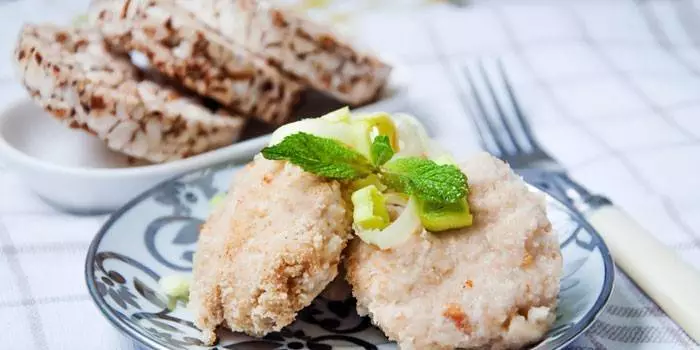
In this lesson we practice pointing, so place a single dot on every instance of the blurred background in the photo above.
(612, 89)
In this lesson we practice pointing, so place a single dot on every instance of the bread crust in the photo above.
(187, 50)
(309, 51)
(72, 75)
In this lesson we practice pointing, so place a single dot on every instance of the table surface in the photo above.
(612, 90)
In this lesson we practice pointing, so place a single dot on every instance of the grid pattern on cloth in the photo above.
(612, 89)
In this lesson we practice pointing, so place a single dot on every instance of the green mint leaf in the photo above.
(425, 179)
(381, 150)
(321, 156)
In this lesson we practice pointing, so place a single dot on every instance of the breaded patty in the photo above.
(493, 284)
(269, 250)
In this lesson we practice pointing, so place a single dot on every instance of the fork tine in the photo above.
(482, 116)
(525, 126)
(499, 110)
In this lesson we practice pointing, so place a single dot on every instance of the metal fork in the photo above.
(505, 132)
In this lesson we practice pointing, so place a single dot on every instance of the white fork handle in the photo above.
(672, 283)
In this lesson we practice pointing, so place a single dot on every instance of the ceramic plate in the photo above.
(155, 235)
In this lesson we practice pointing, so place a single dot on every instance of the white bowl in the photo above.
(76, 172)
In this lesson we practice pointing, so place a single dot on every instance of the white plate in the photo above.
(155, 235)
(76, 172)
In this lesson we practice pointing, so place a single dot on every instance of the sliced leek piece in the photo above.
(405, 226)
(437, 217)
(369, 208)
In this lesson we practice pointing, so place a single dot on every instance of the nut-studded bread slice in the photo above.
(303, 48)
(69, 72)
(184, 48)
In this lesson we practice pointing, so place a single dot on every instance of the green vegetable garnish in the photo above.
(437, 217)
(426, 179)
(369, 209)
(381, 150)
(363, 151)
(354, 131)
(444, 159)
(367, 125)
(321, 156)
(218, 198)
(340, 115)
(80, 20)
(398, 232)
(332, 159)
(176, 288)
(371, 179)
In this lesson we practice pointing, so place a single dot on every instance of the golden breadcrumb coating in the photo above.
(269, 250)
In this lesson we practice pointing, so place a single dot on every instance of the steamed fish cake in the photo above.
(271, 246)
(493, 284)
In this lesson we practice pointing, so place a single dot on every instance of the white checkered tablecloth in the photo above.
(612, 89)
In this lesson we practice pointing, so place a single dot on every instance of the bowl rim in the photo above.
(128, 329)
(15, 156)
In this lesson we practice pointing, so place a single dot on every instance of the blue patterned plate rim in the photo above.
(129, 330)
(608, 276)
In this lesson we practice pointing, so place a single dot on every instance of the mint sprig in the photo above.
(332, 159)
(321, 156)
(381, 150)
(426, 179)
